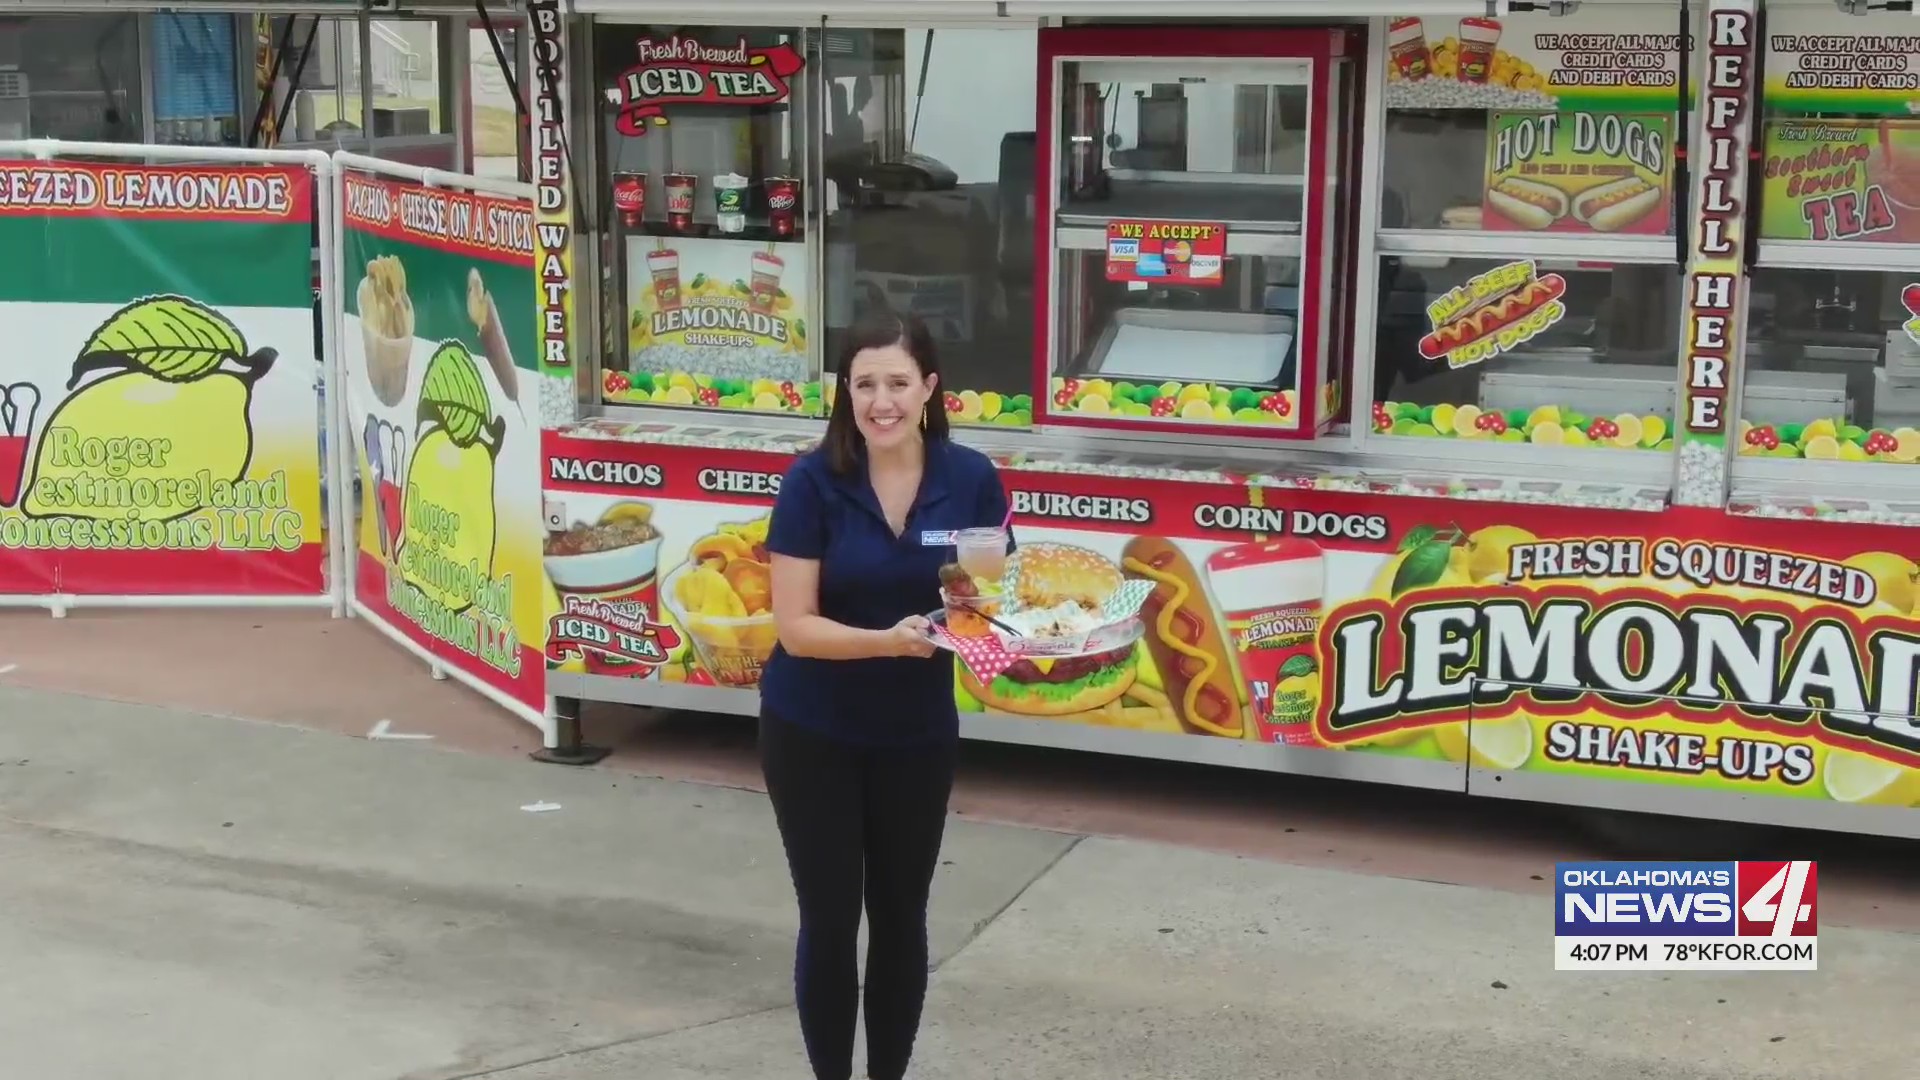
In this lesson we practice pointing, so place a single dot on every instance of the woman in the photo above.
(858, 729)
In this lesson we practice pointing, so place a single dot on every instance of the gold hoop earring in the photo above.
(923, 418)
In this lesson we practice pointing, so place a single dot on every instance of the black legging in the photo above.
(858, 821)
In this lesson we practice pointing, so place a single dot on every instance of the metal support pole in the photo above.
(570, 749)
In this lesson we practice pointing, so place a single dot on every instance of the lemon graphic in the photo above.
(1490, 744)
(1547, 432)
(1857, 778)
(1909, 445)
(1815, 430)
(990, 405)
(1892, 576)
(1545, 414)
(1095, 403)
(1443, 416)
(1652, 430)
(448, 545)
(1576, 437)
(182, 385)
(1463, 421)
(971, 407)
(1821, 447)
(1487, 550)
(1631, 431)
(1460, 564)
(1453, 575)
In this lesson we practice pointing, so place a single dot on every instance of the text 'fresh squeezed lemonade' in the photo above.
(1270, 594)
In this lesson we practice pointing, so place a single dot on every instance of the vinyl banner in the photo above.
(1851, 180)
(1579, 172)
(1609, 58)
(1849, 65)
(1683, 648)
(720, 323)
(159, 413)
(440, 349)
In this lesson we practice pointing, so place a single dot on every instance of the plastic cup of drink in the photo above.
(680, 191)
(783, 203)
(630, 197)
(730, 202)
(982, 553)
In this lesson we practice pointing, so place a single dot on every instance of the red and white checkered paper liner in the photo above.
(982, 655)
(989, 655)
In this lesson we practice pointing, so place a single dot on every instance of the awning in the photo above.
(234, 7)
(765, 12)
(1173, 10)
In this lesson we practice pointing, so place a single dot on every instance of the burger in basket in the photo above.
(1060, 593)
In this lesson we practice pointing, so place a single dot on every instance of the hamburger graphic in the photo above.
(1061, 589)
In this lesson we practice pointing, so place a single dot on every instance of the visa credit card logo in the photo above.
(1686, 899)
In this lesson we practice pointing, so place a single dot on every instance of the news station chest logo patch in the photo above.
(1686, 916)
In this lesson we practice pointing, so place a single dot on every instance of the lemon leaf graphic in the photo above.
(453, 395)
(172, 338)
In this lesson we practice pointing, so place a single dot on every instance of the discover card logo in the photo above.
(1722, 916)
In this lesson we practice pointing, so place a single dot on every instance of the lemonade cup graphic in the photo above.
(764, 290)
(386, 327)
(663, 265)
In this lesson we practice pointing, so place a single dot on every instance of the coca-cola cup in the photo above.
(680, 194)
(783, 203)
(630, 197)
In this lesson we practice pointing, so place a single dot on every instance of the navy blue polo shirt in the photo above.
(871, 579)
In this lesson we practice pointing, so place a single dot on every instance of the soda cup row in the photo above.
(729, 201)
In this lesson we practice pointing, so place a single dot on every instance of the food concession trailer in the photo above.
(1504, 397)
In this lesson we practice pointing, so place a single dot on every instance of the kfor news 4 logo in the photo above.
(1686, 916)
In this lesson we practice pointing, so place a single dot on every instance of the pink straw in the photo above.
(1007, 521)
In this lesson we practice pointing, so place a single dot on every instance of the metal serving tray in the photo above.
(1230, 347)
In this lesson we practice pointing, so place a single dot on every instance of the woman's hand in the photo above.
(909, 637)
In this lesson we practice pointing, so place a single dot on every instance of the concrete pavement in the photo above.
(188, 895)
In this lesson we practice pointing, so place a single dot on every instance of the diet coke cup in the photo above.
(680, 193)
(630, 197)
(783, 203)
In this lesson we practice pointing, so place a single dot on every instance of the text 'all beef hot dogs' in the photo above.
(1488, 318)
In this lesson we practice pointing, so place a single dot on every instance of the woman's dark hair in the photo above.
(843, 443)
